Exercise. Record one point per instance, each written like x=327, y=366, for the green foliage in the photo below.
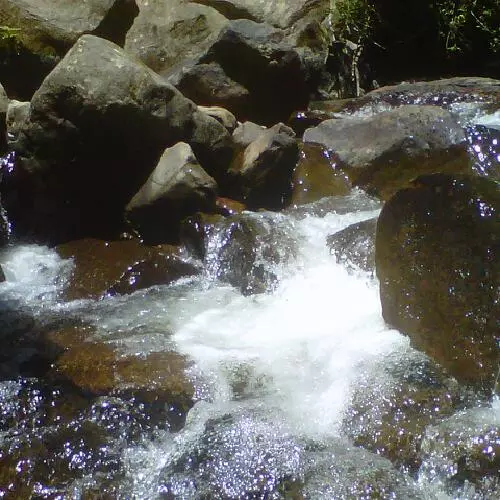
x=352, y=19
x=9, y=38
x=463, y=22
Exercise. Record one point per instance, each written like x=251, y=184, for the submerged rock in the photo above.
x=437, y=261
x=158, y=378
x=393, y=405
x=462, y=454
x=102, y=267
x=384, y=152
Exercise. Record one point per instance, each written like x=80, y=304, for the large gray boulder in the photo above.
x=48, y=28
x=177, y=187
x=258, y=72
x=383, y=152
x=166, y=35
x=437, y=258
x=95, y=131
x=279, y=13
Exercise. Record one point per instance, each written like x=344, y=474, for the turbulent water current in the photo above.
x=287, y=382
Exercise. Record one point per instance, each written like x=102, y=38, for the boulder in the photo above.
x=176, y=188
x=247, y=132
x=354, y=246
x=169, y=35
x=383, y=152
x=98, y=125
x=222, y=115
x=280, y=13
x=262, y=175
x=17, y=114
x=262, y=61
x=123, y=266
x=316, y=176
x=437, y=247
x=157, y=380
x=46, y=30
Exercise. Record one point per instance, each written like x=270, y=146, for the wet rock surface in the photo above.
x=158, y=378
x=354, y=246
x=101, y=267
x=316, y=176
x=405, y=398
x=384, y=152
x=463, y=453
x=437, y=261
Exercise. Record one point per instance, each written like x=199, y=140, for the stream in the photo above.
x=288, y=384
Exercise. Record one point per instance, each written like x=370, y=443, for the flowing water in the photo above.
x=288, y=384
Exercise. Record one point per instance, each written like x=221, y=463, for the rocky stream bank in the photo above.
x=183, y=146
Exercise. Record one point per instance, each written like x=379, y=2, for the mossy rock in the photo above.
x=437, y=259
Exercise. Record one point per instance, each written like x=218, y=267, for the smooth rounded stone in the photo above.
x=393, y=404
x=384, y=152
x=222, y=115
x=98, y=125
x=99, y=266
x=262, y=175
x=158, y=378
x=47, y=30
x=354, y=246
x=169, y=35
x=345, y=471
x=437, y=262
x=176, y=188
x=462, y=453
x=316, y=176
